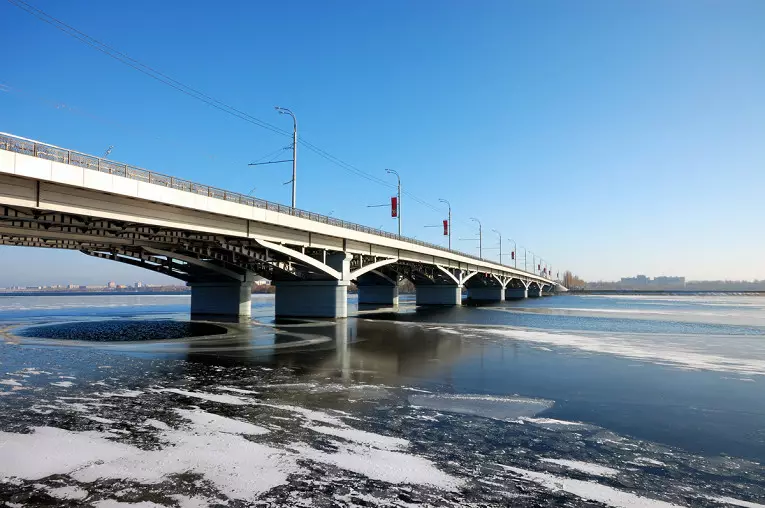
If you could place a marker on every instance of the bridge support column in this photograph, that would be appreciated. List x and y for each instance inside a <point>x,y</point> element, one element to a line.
<point>224,300</point>
<point>487,294</point>
<point>516,293</point>
<point>378,295</point>
<point>432,294</point>
<point>534,292</point>
<point>307,298</point>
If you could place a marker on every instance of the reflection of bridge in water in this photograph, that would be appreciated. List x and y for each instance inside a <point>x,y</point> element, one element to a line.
<point>353,350</point>
<point>217,241</point>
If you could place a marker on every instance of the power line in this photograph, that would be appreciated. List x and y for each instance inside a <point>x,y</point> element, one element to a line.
<point>201,96</point>
<point>181,87</point>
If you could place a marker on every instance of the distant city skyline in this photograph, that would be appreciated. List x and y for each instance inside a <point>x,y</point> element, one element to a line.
<point>607,138</point>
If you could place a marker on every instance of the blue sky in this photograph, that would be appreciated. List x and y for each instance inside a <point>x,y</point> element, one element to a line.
<point>610,138</point>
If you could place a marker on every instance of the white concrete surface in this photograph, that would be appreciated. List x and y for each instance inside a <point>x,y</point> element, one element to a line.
<point>72,189</point>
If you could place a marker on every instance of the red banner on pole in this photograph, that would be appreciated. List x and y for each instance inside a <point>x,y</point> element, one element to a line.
<point>446,228</point>
<point>394,206</point>
<point>512,255</point>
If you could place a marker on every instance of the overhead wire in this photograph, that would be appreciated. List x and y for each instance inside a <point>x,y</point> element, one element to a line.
<point>205,98</point>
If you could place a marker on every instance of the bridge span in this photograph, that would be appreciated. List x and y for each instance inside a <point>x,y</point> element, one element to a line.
<point>217,241</point>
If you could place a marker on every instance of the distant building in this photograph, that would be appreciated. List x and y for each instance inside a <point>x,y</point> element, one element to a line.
<point>73,286</point>
<point>111,285</point>
<point>669,281</point>
<point>138,285</point>
<point>639,280</point>
<point>643,282</point>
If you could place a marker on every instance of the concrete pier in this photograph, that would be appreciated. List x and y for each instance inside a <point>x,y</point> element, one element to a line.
<point>487,294</point>
<point>378,295</point>
<point>431,294</point>
<point>516,293</point>
<point>325,299</point>
<point>534,292</point>
<point>227,300</point>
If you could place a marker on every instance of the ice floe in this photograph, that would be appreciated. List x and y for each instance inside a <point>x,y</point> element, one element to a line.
<point>654,348</point>
<point>487,406</point>
<point>589,490</point>
<point>362,437</point>
<point>584,467</point>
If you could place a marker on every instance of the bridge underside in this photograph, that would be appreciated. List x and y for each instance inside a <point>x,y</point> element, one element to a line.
<point>310,282</point>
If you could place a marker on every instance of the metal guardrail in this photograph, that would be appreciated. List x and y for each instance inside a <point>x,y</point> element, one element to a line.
<point>52,153</point>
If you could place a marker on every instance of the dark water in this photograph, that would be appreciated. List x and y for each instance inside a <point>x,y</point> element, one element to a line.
<point>664,391</point>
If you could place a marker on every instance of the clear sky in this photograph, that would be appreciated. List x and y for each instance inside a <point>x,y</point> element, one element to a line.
<point>610,138</point>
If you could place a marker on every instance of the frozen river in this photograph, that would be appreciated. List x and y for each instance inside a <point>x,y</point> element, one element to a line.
<point>653,401</point>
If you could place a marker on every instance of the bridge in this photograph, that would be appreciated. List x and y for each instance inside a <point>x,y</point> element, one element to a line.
<point>217,241</point>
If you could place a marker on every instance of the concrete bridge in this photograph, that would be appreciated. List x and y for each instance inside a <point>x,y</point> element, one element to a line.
<point>217,241</point>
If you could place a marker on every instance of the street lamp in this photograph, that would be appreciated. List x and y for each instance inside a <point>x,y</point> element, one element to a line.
<point>533,262</point>
<point>525,252</point>
<point>398,203</point>
<point>500,245</point>
<point>285,111</point>
<point>480,238</point>
<point>515,252</point>
<point>449,221</point>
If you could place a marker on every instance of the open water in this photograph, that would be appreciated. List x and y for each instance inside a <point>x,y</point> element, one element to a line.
<point>623,400</point>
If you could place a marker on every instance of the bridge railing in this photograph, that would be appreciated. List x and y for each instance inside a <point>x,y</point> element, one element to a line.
<point>52,153</point>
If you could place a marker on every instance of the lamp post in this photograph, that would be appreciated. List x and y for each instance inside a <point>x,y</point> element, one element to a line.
<point>480,238</point>
<point>398,202</point>
<point>449,221</point>
<point>515,252</point>
<point>500,245</point>
<point>285,111</point>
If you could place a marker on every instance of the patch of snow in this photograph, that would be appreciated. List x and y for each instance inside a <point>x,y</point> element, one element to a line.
<point>63,384</point>
<point>648,461</point>
<point>585,467</point>
<point>236,390</point>
<point>71,492</point>
<point>124,393</point>
<point>99,419</point>
<point>156,424</point>
<point>49,450</point>
<point>10,382</point>
<point>191,502</point>
<point>214,423</point>
<point>211,397</point>
<point>111,503</point>
<point>736,502</point>
<point>309,414</point>
<point>363,437</point>
<point>237,467</point>
<point>590,490</point>
<point>384,465</point>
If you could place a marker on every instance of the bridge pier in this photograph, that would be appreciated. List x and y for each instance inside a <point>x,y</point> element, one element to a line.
<point>516,293</point>
<point>227,300</point>
<point>378,295</point>
<point>487,294</point>
<point>312,298</point>
<point>435,294</point>
<point>534,292</point>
